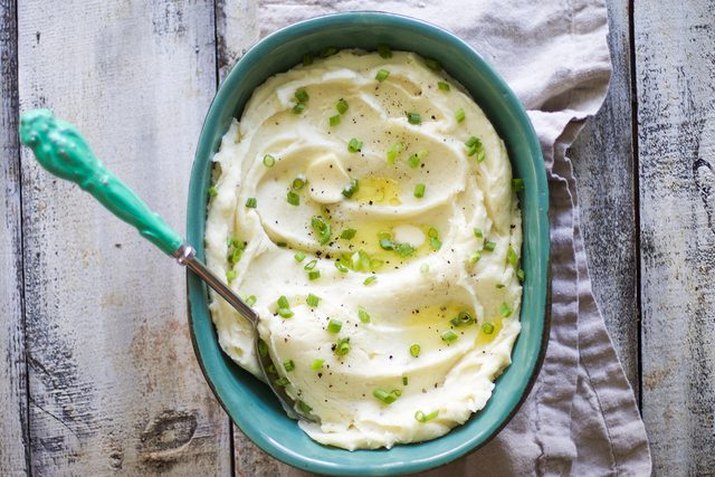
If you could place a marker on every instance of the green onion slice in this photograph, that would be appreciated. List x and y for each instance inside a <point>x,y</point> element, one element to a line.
<point>505,310</point>
<point>313,274</point>
<point>317,364</point>
<point>459,115</point>
<point>298,108</point>
<point>342,347</point>
<point>363,315</point>
<point>487,328</point>
<point>251,203</point>
<point>414,118</point>
<point>341,106</point>
<point>312,300</point>
<point>288,365</point>
<point>490,246</point>
<point>350,189</point>
<point>355,145</point>
<point>517,184</point>
<point>382,75</point>
<point>348,234</point>
<point>415,350</point>
<point>443,86</point>
<point>422,417</point>
<point>230,276</point>
<point>334,120</point>
<point>384,51</point>
<point>385,396</point>
<point>420,190</point>
<point>370,280</point>
<point>334,326</point>
<point>449,336</point>
<point>292,198</point>
<point>301,95</point>
<point>511,257</point>
<point>299,182</point>
<point>269,161</point>
<point>299,256</point>
<point>322,229</point>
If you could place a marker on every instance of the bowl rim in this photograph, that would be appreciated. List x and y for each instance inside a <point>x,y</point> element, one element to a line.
<point>513,102</point>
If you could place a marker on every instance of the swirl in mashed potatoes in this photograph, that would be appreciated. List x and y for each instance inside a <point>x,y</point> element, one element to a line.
<point>365,207</point>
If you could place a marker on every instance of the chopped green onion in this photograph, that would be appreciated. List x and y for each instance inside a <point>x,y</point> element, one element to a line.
<point>487,328</point>
<point>301,95</point>
<point>262,348</point>
<point>299,256</point>
<point>414,161</point>
<point>310,265</point>
<point>449,336</point>
<point>312,300</point>
<point>394,151</point>
<point>463,318</point>
<point>415,350</point>
<point>520,274</point>
<point>420,191</point>
<point>317,364</point>
<point>342,347</point>
<point>298,108</point>
<point>334,326</point>
<point>370,280</point>
<point>405,380</point>
<point>313,274</point>
<point>474,258</point>
<point>288,365</point>
<point>424,268</point>
<point>341,106</point>
<point>422,417</point>
<point>475,146</point>
<point>472,141</point>
<point>285,312</point>
<point>459,115</point>
<point>303,407</point>
<point>404,249</point>
<point>490,246</point>
<point>282,244</point>
<point>363,315</point>
<point>351,188</point>
<point>307,59</point>
<point>334,120</point>
<point>283,302</point>
<point>251,203</point>
<point>505,310</point>
<point>432,232</point>
<point>322,228</point>
<point>250,300</point>
<point>341,266</point>
<point>432,64</point>
<point>299,182</point>
<point>414,118</point>
<point>478,233</point>
<point>387,244</point>
<point>292,198</point>
<point>268,160</point>
<point>235,250</point>
<point>500,285</point>
<point>384,51</point>
<point>348,234</point>
<point>443,86</point>
<point>511,257</point>
<point>355,145</point>
<point>230,276</point>
<point>517,184</point>
<point>382,75</point>
<point>328,52</point>
<point>435,243</point>
<point>387,397</point>
<point>212,191</point>
<point>281,382</point>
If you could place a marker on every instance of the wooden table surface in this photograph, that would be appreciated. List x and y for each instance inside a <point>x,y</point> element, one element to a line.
<point>98,374</point>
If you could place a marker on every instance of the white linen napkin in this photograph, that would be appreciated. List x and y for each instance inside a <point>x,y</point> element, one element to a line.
<point>581,417</point>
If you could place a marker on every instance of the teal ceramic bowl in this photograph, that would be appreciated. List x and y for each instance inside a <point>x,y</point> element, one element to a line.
<point>249,402</point>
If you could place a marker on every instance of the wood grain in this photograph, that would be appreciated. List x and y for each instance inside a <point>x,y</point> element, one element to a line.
<point>114,385</point>
<point>605,171</point>
<point>675,67</point>
<point>13,379</point>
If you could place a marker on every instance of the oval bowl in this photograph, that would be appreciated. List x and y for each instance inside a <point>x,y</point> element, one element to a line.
<point>249,402</point>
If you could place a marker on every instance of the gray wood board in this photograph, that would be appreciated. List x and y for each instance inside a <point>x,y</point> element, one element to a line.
<point>605,170</point>
<point>114,385</point>
<point>13,379</point>
<point>675,67</point>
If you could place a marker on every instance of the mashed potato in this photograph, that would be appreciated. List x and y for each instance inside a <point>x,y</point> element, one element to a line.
<point>365,207</point>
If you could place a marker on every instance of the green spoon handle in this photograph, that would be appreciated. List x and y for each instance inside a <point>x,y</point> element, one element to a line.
<point>60,149</point>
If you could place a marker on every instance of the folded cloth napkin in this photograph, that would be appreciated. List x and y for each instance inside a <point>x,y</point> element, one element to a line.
<point>581,416</point>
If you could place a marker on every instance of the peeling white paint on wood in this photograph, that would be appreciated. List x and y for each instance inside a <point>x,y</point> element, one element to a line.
<point>113,381</point>
<point>675,68</point>
<point>604,167</point>
<point>13,380</point>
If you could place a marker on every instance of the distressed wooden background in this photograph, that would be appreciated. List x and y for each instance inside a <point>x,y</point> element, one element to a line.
<point>101,379</point>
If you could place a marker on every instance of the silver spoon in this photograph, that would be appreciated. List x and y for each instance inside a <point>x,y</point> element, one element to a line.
<point>60,149</point>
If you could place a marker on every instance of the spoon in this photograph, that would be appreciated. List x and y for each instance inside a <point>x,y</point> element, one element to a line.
<point>60,149</point>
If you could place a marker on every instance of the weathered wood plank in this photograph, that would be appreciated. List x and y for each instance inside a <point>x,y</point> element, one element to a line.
<point>14,455</point>
<point>604,168</point>
<point>114,385</point>
<point>675,66</point>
